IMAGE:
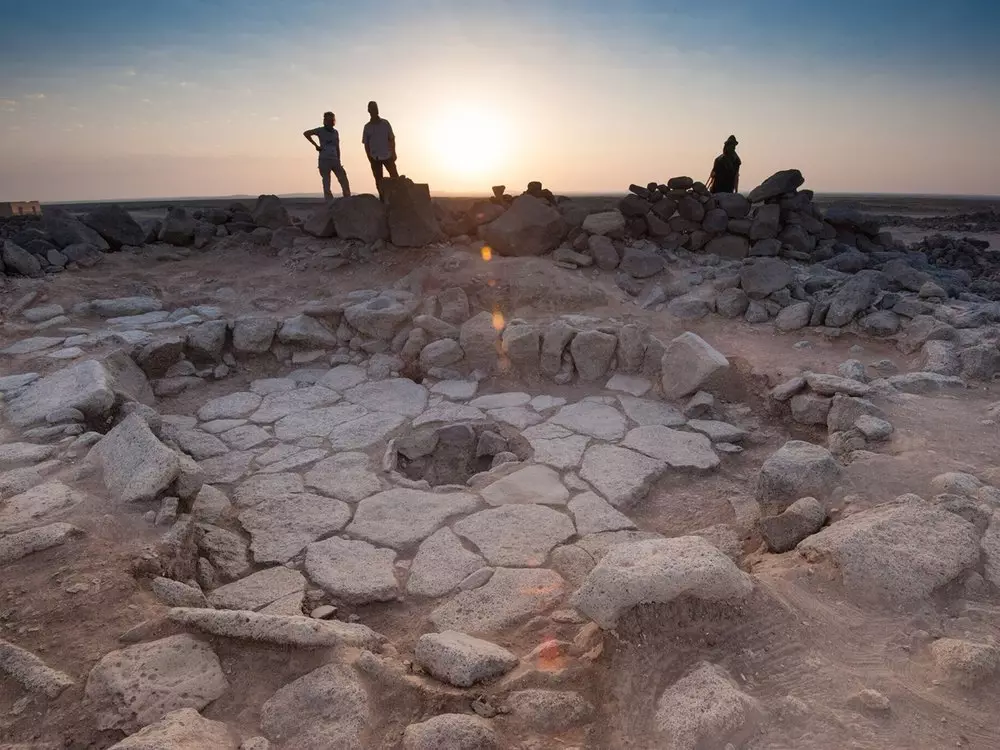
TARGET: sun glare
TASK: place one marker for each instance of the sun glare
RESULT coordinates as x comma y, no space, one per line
470,142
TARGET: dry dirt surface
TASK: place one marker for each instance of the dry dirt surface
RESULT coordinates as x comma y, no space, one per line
618,558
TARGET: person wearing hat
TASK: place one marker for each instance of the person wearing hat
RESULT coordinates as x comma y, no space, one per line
725,177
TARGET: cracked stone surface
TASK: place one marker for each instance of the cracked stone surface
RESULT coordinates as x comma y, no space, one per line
282,526
645,412
396,396
591,418
441,564
316,422
282,403
258,590
681,450
401,518
555,445
621,475
593,515
351,570
345,476
516,535
532,484
233,406
365,432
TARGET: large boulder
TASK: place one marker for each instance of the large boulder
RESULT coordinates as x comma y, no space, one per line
382,315
178,228
86,386
412,221
798,469
18,260
270,213
136,465
65,230
689,362
802,518
607,222
529,227
855,296
360,217
321,222
115,225
845,216
765,276
658,571
729,246
184,729
898,553
780,183
451,732
461,660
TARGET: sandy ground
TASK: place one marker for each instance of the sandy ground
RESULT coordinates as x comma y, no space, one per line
797,636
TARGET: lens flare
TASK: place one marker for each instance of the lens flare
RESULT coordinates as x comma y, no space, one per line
498,320
487,253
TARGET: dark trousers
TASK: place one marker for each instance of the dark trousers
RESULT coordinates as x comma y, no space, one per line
377,167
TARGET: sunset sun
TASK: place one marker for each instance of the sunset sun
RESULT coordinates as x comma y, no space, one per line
470,142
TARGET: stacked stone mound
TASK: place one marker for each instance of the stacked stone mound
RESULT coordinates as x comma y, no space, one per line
969,255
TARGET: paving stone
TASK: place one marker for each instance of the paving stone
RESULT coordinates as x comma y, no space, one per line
646,412
316,422
632,384
245,437
448,413
441,564
516,535
680,450
501,400
519,417
461,660
718,432
545,402
228,468
555,445
343,377
267,386
217,426
277,453
297,461
353,571
233,406
274,406
530,485
258,590
622,476
365,432
200,445
345,476
261,487
282,525
136,465
457,390
593,515
511,597
590,418
32,345
401,518
397,396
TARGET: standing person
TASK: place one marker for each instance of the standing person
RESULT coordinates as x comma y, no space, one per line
380,146
725,177
329,154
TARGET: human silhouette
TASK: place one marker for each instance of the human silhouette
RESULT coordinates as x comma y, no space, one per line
329,154
380,146
725,177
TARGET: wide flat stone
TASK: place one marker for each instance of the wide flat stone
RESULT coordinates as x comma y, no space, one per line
280,404
297,461
441,564
631,384
555,445
509,598
258,590
200,445
37,506
282,526
365,432
245,437
228,468
500,400
396,396
233,406
678,449
718,432
316,422
136,465
597,420
461,660
516,535
519,417
261,487
32,345
546,402
267,386
829,385
447,413
15,382
216,426
532,484
594,515
457,390
353,571
345,476
622,476
401,518
343,378
87,387
13,454
278,453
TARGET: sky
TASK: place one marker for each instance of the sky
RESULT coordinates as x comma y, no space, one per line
118,99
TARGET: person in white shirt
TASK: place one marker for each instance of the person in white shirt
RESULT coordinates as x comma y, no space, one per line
328,147
380,146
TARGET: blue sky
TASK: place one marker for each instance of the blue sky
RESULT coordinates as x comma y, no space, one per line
95,95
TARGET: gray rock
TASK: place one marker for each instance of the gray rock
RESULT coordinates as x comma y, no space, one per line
441,353
873,428
454,305
401,518
680,450
778,184
794,317
882,323
765,276
516,535
641,264
382,315
303,330
207,340
353,571
115,225
451,732
853,370
732,303
622,476
360,217
275,406
923,383
658,571
645,412
810,408
734,204
141,684
396,395
688,363
855,296
896,553
830,385
803,517
479,340
440,565
66,230
531,485
509,598
604,223
41,313
254,335
178,228
176,594
297,632
529,227
593,515
462,660
258,590
184,728
18,260
604,252
798,469
846,410
548,710
345,476
592,352
326,708
15,546
30,672
282,525
965,663
729,246
555,445
717,431
226,551
591,418
136,465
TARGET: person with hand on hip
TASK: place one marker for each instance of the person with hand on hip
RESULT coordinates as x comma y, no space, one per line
327,144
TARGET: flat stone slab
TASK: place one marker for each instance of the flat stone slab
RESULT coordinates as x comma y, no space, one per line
591,418
136,465
448,413
518,417
631,384
516,535
86,386
245,437
36,507
594,515
233,406
215,427
621,475
13,454
401,518
228,468
278,453
14,382
531,485
267,386
829,385
23,543
345,476
351,570
678,449
365,432
646,412
282,526
461,660
297,461
555,445
396,396
258,590
316,422
199,444
511,596
262,487
274,406
501,400
441,564
32,345
718,432
546,402
457,390
343,378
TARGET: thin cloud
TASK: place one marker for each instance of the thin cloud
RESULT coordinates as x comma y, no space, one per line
146,101
35,97
8,105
